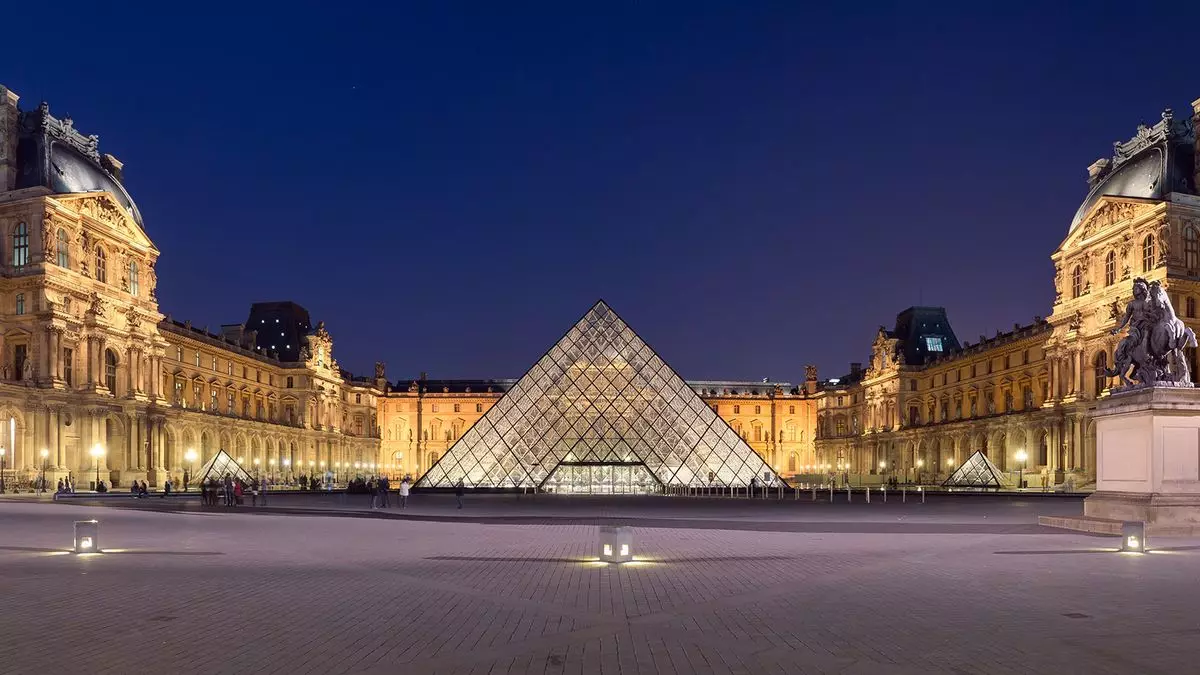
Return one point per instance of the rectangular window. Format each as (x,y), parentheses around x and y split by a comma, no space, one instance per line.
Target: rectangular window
(456,407)
(791,410)
(244,371)
(20,303)
(19,354)
(229,368)
(229,402)
(179,354)
(478,407)
(289,382)
(737,409)
(433,407)
(912,385)
(20,240)
(758,410)
(214,364)
(197,358)
(67,356)
(933,344)
(212,404)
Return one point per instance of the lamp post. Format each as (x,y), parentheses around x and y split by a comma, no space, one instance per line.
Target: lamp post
(45,456)
(190,456)
(1021,457)
(920,464)
(97,453)
(271,470)
(256,460)
(287,468)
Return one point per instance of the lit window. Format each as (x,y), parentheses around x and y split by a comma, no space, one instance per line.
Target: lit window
(197,358)
(101,266)
(933,344)
(1191,249)
(64,249)
(1148,253)
(110,370)
(1110,269)
(20,251)
(1077,281)
(133,279)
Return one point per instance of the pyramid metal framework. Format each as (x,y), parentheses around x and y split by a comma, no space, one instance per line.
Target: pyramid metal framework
(220,464)
(977,472)
(599,402)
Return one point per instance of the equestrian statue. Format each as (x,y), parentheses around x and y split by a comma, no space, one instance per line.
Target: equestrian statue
(1154,346)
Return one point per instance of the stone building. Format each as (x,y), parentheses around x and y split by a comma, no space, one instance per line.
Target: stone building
(94,380)
(925,403)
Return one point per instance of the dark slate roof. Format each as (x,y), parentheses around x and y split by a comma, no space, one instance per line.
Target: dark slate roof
(51,153)
(280,327)
(1157,161)
(924,334)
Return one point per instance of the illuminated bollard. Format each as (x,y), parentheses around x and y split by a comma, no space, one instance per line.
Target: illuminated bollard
(868,493)
(1133,536)
(616,544)
(87,536)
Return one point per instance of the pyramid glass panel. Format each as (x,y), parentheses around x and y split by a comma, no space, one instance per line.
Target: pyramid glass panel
(977,472)
(599,412)
(216,467)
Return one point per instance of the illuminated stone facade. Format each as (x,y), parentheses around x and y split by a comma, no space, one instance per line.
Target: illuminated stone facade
(94,378)
(420,421)
(87,361)
(1033,389)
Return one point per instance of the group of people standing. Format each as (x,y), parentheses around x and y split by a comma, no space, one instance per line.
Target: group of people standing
(230,491)
(379,487)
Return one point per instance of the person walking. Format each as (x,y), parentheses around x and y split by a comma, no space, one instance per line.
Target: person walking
(384,486)
(404,493)
(458,492)
(228,489)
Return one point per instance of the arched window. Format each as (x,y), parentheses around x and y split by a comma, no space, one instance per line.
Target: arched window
(1101,374)
(1191,249)
(20,243)
(1148,253)
(101,266)
(64,249)
(914,416)
(1076,281)
(1110,269)
(110,370)
(1189,307)
(792,462)
(133,279)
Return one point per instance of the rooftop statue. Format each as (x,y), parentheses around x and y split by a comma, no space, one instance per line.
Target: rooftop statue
(1156,340)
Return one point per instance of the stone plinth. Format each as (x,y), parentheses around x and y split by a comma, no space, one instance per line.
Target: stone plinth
(1148,459)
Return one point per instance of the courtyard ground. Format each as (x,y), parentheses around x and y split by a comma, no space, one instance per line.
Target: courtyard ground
(310,585)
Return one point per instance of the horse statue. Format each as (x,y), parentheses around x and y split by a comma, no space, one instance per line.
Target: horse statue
(1156,340)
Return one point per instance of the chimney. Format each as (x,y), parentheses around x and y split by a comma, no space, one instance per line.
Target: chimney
(1097,171)
(810,379)
(855,368)
(8,138)
(1196,128)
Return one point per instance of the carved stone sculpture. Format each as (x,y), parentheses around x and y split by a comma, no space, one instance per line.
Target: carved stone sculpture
(1155,342)
(379,370)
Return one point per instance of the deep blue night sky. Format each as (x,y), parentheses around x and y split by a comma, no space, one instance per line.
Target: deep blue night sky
(752,186)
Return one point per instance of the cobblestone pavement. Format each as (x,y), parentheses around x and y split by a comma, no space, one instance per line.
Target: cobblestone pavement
(247,592)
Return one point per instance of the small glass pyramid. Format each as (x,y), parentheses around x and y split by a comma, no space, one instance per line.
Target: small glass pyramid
(599,412)
(220,464)
(977,472)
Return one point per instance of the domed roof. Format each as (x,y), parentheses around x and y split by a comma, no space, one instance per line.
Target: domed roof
(1154,163)
(51,153)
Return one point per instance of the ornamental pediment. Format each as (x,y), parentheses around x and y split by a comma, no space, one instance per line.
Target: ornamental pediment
(1108,212)
(104,208)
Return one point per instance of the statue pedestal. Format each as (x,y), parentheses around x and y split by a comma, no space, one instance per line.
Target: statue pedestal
(1148,459)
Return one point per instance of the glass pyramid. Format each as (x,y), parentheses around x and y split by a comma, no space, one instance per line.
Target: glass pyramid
(977,472)
(603,400)
(220,464)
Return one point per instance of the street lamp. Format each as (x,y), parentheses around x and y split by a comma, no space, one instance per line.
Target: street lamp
(256,467)
(190,456)
(920,464)
(45,455)
(1021,457)
(97,453)
(287,468)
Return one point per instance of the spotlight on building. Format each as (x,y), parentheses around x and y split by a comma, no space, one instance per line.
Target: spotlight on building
(616,544)
(1133,536)
(87,536)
